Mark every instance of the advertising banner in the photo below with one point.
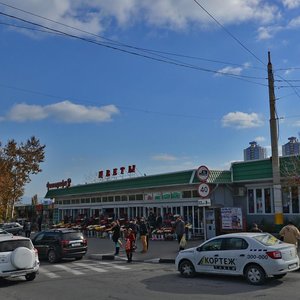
(232, 218)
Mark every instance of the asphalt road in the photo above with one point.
(91, 279)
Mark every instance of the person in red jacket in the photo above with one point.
(130, 244)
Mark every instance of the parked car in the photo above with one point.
(12, 227)
(3, 232)
(256, 256)
(57, 244)
(18, 257)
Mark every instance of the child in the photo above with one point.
(129, 246)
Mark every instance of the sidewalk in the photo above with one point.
(158, 252)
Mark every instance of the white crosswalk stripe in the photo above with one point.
(70, 270)
(87, 266)
(114, 266)
(48, 273)
(79, 268)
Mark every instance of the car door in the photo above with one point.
(234, 251)
(206, 256)
(223, 256)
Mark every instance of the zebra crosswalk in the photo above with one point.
(80, 268)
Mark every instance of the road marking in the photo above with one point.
(48, 273)
(99, 270)
(114, 266)
(63, 267)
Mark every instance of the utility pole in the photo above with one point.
(274, 143)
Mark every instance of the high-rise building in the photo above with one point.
(254, 152)
(291, 148)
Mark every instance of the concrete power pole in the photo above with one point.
(274, 143)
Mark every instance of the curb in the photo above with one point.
(112, 257)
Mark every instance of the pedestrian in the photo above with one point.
(290, 234)
(255, 228)
(144, 233)
(116, 236)
(130, 244)
(27, 228)
(179, 230)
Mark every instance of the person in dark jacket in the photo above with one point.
(27, 228)
(179, 230)
(116, 235)
(144, 233)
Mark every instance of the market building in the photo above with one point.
(232, 201)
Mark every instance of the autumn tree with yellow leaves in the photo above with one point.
(17, 163)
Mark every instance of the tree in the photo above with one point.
(17, 163)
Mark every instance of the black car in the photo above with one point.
(57, 244)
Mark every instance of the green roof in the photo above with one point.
(258, 170)
(252, 170)
(144, 182)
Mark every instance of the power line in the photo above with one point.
(177, 63)
(120, 43)
(228, 32)
(146, 111)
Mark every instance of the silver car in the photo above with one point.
(256, 256)
(12, 227)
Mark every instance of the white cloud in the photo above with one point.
(296, 124)
(230, 70)
(259, 139)
(291, 3)
(242, 120)
(294, 23)
(96, 15)
(64, 111)
(265, 33)
(164, 157)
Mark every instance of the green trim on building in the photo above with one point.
(249, 171)
(144, 182)
(252, 170)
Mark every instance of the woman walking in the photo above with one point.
(130, 244)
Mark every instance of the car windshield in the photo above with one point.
(267, 239)
(6, 246)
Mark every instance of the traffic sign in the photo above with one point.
(204, 202)
(203, 190)
(203, 173)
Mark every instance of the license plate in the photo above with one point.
(75, 244)
(292, 266)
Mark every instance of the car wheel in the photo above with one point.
(255, 275)
(279, 276)
(22, 258)
(52, 256)
(30, 277)
(187, 269)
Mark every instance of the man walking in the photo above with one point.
(179, 230)
(290, 234)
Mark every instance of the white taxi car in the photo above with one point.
(256, 256)
(18, 257)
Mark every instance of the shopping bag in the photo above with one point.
(182, 243)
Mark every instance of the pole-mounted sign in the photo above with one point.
(203, 173)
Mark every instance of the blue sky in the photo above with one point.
(166, 85)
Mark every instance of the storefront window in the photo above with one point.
(290, 200)
(295, 200)
(268, 207)
(187, 194)
(250, 202)
(259, 201)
